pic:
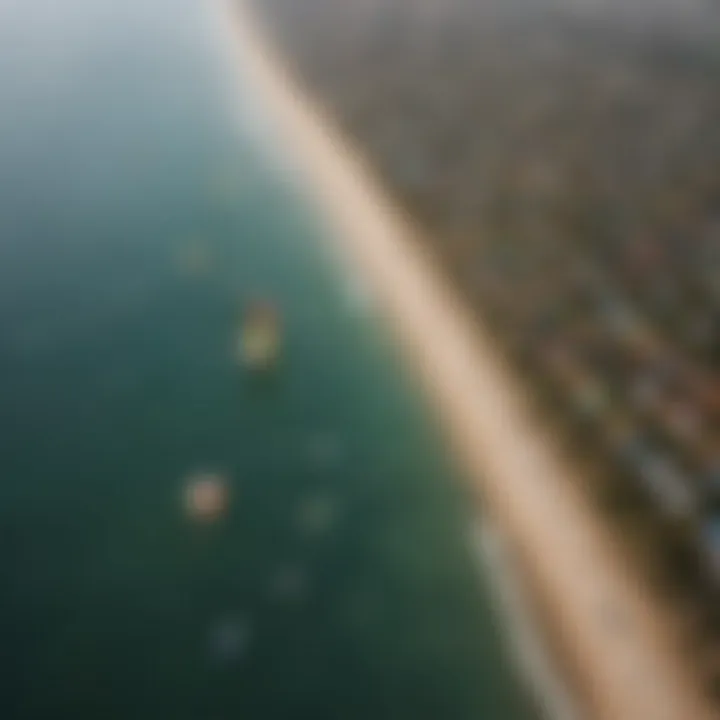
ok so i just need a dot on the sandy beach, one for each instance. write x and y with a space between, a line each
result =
627 669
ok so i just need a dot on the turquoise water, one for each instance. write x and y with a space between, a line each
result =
142 200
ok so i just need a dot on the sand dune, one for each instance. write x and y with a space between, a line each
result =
625 670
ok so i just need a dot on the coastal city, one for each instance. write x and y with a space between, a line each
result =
360 360
561 164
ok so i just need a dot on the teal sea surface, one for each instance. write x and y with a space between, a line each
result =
143 200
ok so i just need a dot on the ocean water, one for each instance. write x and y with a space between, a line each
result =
143 199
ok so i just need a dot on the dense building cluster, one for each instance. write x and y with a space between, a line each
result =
565 160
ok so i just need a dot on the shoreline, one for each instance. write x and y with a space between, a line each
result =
633 672
547 686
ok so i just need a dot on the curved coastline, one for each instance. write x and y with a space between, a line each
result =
571 562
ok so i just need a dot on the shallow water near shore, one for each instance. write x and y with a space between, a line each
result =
143 199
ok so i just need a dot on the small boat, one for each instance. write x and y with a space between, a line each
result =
260 339
205 496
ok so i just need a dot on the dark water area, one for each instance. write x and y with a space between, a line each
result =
142 200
